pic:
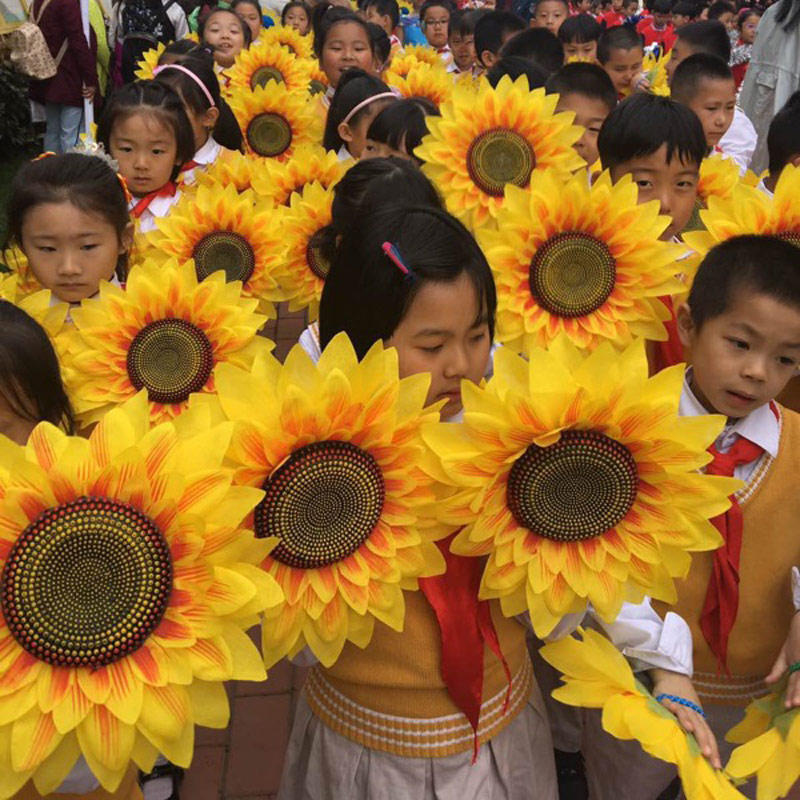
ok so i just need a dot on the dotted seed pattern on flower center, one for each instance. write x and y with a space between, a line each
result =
86 583
171 358
263 75
578 488
227 251
269 134
498 157
572 274
317 262
323 503
793 237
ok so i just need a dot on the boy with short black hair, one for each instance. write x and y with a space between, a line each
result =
538 46
515 67
683 12
549 14
434 18
587 91
621 53
706 85
659 29
724 12
783 142
492 31
579 35
385 13
461 38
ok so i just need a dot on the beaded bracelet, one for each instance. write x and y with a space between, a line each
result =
681 701
794 667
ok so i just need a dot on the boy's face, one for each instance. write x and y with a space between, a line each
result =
549 14
583 6
616 5
680 19
435 26
623 66
745 357
580 51
674 185
630 8
727 19
680 50
463 48
590 113
384 20
714 102
660 19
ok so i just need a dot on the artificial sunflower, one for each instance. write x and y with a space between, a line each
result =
17 263
274 120
423 80
580 261
769 739
748 210
39 305
317 79
577 478
278 181
336 448
268 61
486 140
230 169
301 269
220 230
128 582
149 62
300 46
406 7
596 675
719 177
166 332
655 70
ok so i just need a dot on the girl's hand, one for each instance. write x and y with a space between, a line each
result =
666 682
790 654
88 92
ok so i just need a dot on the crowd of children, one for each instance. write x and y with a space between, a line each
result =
569 177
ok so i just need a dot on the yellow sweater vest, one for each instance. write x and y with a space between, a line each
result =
770 506
391 696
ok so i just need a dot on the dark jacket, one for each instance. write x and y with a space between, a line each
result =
62 20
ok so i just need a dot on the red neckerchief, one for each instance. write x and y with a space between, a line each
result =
167 190
189 165
466 626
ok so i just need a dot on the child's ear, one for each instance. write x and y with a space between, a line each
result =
126 240
345 133
210 118
488 59
685 324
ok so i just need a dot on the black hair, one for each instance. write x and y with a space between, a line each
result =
86 182
180 48
226 130
720 7
462 23
580 29
402 125
537 45
429 4
492 28
158 99
30 379
354 87
296 4
386 8
642 123
587 80
514 67
744 13
663 6
685 9
325 17
373 183
783 142
707 36
692 71
620 37
367 296
764 265
535 4
381 44
788 14
204 18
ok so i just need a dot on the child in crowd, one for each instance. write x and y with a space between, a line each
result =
783 143
724 12
434 17
226 33
461 38
146 129
621 54
705 84
382 46
250 12
747 25
515 67
69 216
613 16
214 125
549 14
398 129
630 10
297 15
385 13
358 99
683 12
537 45
579 35
658 29
492 31
587 91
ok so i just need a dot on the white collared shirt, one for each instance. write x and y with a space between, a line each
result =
740 140
159 207
204 158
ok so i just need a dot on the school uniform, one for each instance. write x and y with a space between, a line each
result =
740 140
146 210
204 158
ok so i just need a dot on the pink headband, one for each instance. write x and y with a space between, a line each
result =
368 101
191 74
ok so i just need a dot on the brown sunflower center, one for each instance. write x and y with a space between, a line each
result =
578 488
316 261
263 75
171 358
498 157
269 134
227 251
86 583
323 503
793 237
572 274
316 86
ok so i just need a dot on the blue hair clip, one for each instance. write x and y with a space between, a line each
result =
394 256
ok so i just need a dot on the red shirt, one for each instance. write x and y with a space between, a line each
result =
612 18
665 37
